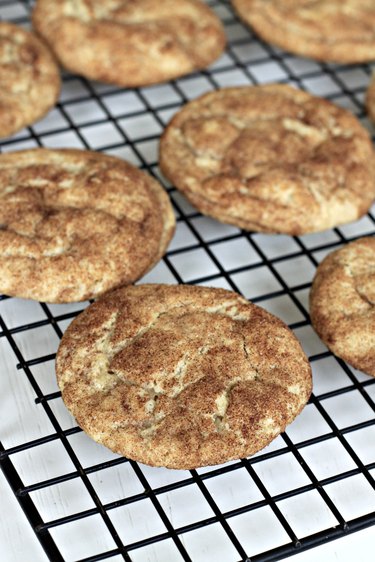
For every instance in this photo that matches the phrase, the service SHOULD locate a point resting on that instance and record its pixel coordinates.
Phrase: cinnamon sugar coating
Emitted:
(75, 223)
(342, 303)
(341, 31)
(270, 159)
(181, 376)
(29, 79)
(130, 43)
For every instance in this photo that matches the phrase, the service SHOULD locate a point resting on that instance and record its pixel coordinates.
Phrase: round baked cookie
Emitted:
(76, 223)
(270, 159)
(341, 31)
(342, 303)
(181, 376)
(29, 79)
(130, 43)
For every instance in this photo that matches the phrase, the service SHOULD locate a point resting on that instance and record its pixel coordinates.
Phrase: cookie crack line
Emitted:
(354, 278)
(365, 298)
(221, 423)
(70, 240)
(152, 388)
(121, 346)
(265, 167)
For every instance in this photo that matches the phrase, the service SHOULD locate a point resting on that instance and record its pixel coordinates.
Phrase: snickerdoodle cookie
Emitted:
(130, 43)
(342, 303)
(29, 79)
(76, 223)
(271, 159)
(181, 376)
(341, 31)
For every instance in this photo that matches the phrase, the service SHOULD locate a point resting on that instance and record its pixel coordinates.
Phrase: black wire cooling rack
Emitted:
(315, 482)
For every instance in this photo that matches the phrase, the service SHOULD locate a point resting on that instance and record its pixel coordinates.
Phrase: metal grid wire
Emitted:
(315, 482)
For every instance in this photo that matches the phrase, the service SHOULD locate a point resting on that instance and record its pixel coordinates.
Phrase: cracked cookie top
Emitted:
(29, 79)
(130, 43)
(181, 376)
(342, 303)
(75, 223)
(329, 30)
(271, 159)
